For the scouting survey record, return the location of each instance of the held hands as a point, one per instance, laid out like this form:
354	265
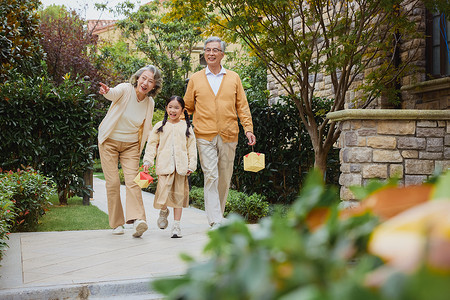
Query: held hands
104	89
251	138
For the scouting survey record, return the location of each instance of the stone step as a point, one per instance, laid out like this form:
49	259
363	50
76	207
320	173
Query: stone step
124	289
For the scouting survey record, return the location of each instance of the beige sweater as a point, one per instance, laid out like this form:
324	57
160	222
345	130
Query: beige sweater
120	95
218	114
173	150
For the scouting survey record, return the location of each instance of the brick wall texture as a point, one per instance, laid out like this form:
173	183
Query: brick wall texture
409	149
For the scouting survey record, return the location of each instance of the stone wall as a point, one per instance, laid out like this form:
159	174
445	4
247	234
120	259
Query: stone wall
409	144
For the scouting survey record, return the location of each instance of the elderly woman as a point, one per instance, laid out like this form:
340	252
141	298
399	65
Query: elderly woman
121	137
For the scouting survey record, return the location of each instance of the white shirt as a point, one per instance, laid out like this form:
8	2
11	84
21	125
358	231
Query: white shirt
215	80
127	128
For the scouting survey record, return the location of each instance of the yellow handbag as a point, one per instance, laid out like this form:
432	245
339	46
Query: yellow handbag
254	162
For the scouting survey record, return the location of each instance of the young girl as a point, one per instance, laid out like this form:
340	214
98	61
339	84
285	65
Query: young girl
173	143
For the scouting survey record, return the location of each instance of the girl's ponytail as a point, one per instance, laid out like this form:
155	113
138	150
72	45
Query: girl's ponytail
188	123
160	129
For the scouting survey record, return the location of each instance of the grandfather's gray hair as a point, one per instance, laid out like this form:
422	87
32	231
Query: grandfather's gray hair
211	39
156	77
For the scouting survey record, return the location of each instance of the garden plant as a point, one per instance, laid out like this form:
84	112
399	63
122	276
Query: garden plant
24	197
320	251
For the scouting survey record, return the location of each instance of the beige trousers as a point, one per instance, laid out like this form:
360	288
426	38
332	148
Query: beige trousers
111	152
216	159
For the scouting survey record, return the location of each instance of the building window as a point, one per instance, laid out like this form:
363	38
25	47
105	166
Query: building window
437	45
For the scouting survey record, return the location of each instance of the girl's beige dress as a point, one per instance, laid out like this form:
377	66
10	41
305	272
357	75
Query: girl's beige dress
175	155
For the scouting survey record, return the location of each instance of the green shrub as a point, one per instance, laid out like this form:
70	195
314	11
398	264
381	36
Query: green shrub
158	115
251	208
97	167
281	258
196	197
289	257
49	128
30	192
6	215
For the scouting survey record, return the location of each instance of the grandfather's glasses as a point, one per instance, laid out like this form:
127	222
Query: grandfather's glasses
213	50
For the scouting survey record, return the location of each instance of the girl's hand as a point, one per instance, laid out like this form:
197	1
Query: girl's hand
189	172
104	89
145	168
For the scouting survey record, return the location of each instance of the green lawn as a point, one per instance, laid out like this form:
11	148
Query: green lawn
74	216
99	175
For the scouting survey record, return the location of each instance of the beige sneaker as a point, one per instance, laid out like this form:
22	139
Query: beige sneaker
162	220
118	230
139	226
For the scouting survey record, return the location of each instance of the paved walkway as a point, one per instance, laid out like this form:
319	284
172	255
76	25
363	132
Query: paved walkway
95	264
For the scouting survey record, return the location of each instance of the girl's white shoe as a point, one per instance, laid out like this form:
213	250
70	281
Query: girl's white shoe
176	231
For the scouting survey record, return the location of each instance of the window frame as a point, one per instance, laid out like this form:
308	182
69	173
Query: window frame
444	69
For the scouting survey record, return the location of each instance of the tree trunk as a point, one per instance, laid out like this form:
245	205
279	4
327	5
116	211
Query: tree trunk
62	196
320	160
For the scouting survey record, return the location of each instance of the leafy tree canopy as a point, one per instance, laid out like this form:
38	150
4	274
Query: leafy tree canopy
315	48
19	36
166	43
67	43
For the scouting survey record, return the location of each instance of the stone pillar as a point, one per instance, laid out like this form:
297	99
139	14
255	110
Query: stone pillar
383	143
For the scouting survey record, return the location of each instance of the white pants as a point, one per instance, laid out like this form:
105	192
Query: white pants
217	160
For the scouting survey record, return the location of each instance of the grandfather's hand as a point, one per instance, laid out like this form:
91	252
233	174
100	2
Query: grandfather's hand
251	138
104	89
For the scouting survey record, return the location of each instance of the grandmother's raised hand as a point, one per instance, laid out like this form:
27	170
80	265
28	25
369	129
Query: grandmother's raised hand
104	89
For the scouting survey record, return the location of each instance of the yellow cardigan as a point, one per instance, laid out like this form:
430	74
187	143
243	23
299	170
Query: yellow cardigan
173	150
218	114
120	95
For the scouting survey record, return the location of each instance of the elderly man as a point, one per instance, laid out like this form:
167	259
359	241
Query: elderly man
216	99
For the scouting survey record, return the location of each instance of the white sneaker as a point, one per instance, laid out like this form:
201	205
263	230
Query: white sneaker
214	226
176	231
139	226
118	230
162	220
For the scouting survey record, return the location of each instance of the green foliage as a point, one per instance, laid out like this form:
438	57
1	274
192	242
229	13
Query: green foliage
442	189
30	192
281	258
196	197
362	192
116	62
251	208
167	44
19	37
7	215
158	115
49	128
67	44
